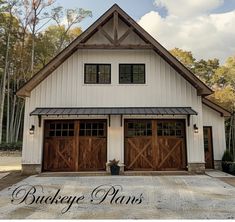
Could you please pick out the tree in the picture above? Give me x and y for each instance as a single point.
(225, 75)
(224, 81)
(48, 43)
(202, 68)
(205, 70)
(225, 97)
(8, 25)
(72, 17)
(185, 57)
(56, 37)
(26, 45)
(224, 85)
(35, 14)
(221, 79)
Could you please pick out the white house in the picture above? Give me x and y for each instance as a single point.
(115, 92)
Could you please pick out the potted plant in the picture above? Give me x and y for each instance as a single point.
(232, 169)
(227, 160)
(114, 167)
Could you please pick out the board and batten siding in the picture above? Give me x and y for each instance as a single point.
(213, 119)
(65, 88)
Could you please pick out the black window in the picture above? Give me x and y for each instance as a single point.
(97, 74)
(132, 73)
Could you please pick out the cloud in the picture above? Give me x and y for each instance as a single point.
(188, 8)
(190, 27)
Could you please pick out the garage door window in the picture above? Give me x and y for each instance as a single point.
(139, 129)
(170, 129)
(61, 129)
(92, 129)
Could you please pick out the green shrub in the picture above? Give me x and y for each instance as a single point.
(227, 156)
(11, 146)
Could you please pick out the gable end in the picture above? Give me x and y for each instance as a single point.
(113, 41)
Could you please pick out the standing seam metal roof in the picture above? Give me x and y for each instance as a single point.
(115, 111)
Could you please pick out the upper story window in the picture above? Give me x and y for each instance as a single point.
(132, 73)
(97, 74)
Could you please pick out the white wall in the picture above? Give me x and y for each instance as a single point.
(213, 118)
(116, 140)
(65, 88)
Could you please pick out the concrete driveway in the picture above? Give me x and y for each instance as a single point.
(10, 160)
(120, 197)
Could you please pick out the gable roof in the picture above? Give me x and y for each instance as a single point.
(80, 42)
(216, 107)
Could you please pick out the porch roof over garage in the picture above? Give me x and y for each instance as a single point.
(114, 111)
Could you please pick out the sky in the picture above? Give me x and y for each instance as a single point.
(205, 27)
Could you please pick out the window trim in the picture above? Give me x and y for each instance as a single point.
(132, 64)
(97, 76)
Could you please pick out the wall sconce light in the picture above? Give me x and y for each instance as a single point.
(31, 130)
(195, 128)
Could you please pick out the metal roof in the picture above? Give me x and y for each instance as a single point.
(115, 111)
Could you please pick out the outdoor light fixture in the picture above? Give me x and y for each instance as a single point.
(195, 128)
(31, 130)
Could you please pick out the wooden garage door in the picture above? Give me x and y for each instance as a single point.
(75, 145)
(92, 145)
(155, 145)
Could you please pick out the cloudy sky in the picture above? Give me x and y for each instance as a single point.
(205, 27)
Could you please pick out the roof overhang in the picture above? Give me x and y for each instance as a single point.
(114, 111)
(223, 112)
(108, 111)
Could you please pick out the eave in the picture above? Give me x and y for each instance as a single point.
(223, 112)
